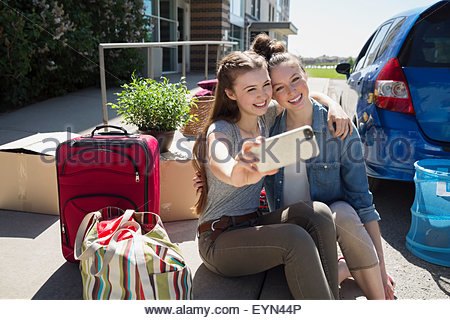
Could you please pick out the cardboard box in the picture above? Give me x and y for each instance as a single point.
(177, 190)
(28, 172)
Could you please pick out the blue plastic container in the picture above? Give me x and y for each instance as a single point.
(429, 235)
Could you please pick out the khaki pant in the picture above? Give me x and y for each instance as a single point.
(301, 237)
(354, 241)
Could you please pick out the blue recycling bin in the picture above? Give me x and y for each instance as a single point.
(429, 235)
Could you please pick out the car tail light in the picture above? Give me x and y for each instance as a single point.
(391, 89)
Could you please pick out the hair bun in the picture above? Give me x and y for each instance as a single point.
(266, 46)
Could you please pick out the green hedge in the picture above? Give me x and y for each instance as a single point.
(48, 48)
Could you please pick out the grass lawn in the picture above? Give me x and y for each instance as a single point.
(324, 73)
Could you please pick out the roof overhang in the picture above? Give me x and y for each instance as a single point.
(284, 28)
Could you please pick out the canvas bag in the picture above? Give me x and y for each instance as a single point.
(125, 258)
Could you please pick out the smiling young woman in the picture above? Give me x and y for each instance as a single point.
(336, 177)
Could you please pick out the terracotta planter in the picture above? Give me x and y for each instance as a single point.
(164, 138)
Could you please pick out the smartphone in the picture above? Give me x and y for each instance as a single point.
(286, 148)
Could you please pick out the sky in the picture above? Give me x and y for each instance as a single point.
(340, 27)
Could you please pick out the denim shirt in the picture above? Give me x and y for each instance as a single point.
(337, 173)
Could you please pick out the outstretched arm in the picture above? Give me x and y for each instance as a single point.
(237, 171)
(339, 123)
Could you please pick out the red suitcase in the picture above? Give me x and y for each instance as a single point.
(105, 169)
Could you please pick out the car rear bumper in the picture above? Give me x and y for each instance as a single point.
(391, 153)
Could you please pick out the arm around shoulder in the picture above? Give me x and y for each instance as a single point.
(339, 123)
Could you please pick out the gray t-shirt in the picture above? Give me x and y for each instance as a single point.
(224, 199)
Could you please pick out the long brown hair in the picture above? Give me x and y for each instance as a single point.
(229, 69)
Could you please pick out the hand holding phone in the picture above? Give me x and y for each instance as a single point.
(286, 148)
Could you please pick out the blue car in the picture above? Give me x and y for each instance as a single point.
(399, 90)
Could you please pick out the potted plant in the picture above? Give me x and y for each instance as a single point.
(155, 107)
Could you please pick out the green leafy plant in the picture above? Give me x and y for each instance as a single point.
(154, 105)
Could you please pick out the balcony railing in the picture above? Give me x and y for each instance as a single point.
(102, 46)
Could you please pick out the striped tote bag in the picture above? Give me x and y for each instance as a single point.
(130, 257)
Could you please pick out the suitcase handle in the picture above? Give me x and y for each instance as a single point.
(123, 131)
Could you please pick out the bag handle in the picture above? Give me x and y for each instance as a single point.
(97, 128)
(112, 245)
(82, 229)
(144, 239)
(161, 242)
(87, 222)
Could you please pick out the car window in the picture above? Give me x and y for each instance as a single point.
(428, 44)
(362, 55)
(376, 43)
(396, 27)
